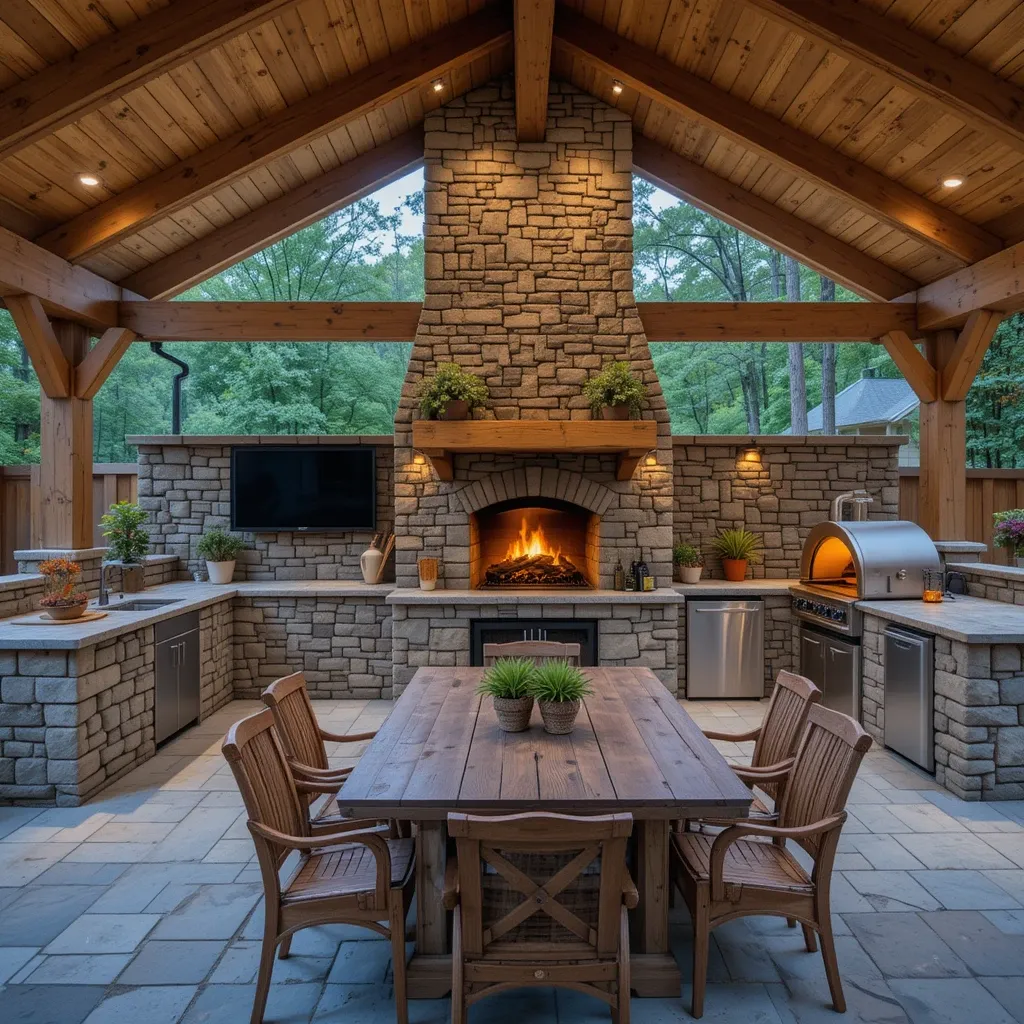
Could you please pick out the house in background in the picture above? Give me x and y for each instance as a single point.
(875, 405)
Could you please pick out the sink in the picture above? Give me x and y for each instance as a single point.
(139, 604)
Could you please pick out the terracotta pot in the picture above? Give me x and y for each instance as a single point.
(615, 412)
(735, 569)
(513, 713)
(220, 572)
(70, 611)
(457, 410)
(133, 578)
(559, 715)
(690, 573)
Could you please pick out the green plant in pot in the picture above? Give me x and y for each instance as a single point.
(220, 549)
(559, 689)
(737, 549)
(451, 394)
(507, 683)
(127, 542)
(689, 561)
(615, 393)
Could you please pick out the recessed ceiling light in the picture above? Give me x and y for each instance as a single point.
(438, 85)
(617, 87)
(89, 179)
(953, 181)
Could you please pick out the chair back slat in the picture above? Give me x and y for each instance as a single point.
(830, 753)
(257, 760)
(792, 698)
(295, 719)
(536, 650)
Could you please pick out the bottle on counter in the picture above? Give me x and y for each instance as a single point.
(641, 572)
(619, 578)
(630, 582)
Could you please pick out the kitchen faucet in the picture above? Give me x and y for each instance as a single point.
(104, 599)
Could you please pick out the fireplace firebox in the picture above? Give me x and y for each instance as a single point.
(563, 631)
(537, 542)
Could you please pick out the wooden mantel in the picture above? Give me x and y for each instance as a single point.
(630, 440)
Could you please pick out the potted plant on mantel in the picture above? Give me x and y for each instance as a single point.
(559, 689)
(737, 548)
(615, 393)
(1008, 532)
(127, 543)
(451, 394)
(507, 683)
(221, 550)
(689, 560)
(62, 600)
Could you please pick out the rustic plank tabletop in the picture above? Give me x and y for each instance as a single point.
(633, 749)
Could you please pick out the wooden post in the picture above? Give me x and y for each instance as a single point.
(942, 499)
(65, 472)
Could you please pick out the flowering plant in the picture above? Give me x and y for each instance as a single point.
(60, 584)
(1009, 530)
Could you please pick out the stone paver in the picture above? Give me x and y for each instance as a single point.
(151, 913)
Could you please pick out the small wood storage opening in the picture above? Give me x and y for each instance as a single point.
(536, 542)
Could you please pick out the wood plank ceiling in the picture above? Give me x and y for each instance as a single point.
(759, 52)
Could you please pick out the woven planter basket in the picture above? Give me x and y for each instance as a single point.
(559, 716)
(513, 713)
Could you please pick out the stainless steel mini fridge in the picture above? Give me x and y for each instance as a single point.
(724, 649)
(910, 695)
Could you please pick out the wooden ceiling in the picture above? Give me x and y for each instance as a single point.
(215, 124)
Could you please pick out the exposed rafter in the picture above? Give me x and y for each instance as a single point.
(129, 58)
(534, 21)
(292, 211)
(983, 100)
(183, 183)
(681, 91)
(763, 220)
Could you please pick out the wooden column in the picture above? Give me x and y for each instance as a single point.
(943, 481)
(65, 473)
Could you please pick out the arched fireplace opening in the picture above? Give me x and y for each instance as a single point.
(534, 542)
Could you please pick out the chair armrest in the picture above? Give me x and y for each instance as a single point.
(726, 838)
(351, 825)
(630, 897)
(330, 786)
(318, 774)
(733, 737)
(450, 896)
(354, 737)
(778, 772)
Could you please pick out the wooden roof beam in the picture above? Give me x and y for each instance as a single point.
(184, 183)
(983, 100)
(125, 60)
(659, 79)
(281, 217)
(534, 21)
(763, 220)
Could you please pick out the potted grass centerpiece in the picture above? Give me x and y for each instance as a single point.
(737, 548)
(559, 689)
(507, 683)
(451, 394)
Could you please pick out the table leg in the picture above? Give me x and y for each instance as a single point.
(430, 973)
(653, 968)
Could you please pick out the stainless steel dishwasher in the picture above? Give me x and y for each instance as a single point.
(177, 674)
(910, 695)
(724, 649)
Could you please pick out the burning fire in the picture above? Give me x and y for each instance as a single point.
(529, 543)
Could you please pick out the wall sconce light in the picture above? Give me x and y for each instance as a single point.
(617, 87)
(438, 85)
(751, 456)
(419, 460)
(651, 460)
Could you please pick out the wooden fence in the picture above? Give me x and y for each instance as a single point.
(19, 504)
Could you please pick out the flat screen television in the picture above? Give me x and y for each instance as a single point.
(303, 487)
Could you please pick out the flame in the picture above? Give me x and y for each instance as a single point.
(531, 542)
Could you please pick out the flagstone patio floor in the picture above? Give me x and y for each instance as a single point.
(142, 906)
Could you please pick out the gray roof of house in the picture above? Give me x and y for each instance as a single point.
(870, 400)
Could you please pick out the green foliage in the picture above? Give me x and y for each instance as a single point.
(217, 545)
(127, 541)
(557, 680)
(451, 383)
(615, 385)
(509, 678)
(1008, 530)
(686, 555)
(741, 544)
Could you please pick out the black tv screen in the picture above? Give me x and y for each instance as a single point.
(303, 487)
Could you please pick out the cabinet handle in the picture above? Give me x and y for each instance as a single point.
(813, 643)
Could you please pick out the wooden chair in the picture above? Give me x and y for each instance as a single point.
(747, 870)
(537, 650)
(775, 742)
(540, 899)
(349, 877)
(303, 739)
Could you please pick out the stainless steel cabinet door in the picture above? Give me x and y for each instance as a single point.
(812, 657)
(166, 711)
(188, 679)
(842, 678)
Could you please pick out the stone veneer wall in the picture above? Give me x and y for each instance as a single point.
(529, 278)
(342, 646)
(979, 712)
(780, 494)
(994, 583)
(185, 484)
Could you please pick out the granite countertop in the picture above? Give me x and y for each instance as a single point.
(726, 588)
(413, 595)
(188, 597)
(971, 620)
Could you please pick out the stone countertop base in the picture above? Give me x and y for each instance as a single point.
(541, 595)
(970, 620)
(1014, 573)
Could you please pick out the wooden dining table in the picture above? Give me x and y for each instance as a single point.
(633, 749)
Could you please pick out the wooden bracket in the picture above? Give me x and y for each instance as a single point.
(48, 359)
(920, 373)
(627, 461)
(96, 367)
(442, 462)
(962, 367)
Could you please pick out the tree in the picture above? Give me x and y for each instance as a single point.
(828, 366)
(797, 378)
